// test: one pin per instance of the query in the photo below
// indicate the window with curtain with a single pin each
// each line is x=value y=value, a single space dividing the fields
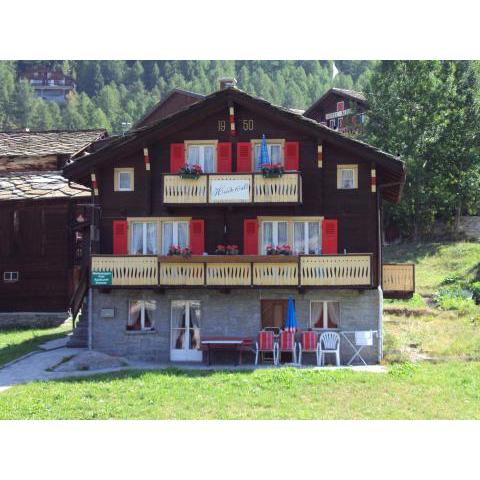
x=347 y=177
x=274 y=233
x=203 y=155
x=324 y=315
x=306 y=238
x=144 y=238
x=274 y=153
x=174 y=233
x=141 y=315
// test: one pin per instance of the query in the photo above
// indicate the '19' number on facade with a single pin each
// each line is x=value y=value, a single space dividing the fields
x=222 y=125
x=247 y=125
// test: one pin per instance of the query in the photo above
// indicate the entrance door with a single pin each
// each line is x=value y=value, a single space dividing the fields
x=185 y=332
x=274 y=313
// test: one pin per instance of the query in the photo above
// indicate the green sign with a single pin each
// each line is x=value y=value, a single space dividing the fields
x=101 y=278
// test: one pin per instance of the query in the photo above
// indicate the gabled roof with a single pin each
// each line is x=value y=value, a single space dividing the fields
x=138 y=138
x=39 y=186
x=155 y=111
x=48 y=142
x=357 y=96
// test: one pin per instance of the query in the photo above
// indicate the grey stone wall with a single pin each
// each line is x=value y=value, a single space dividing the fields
x=9 y=321
x=470 y=226
x=234 y=314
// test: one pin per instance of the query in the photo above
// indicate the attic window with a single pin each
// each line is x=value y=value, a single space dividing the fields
x=347 y=177
x=10 y=277
x=124 y=180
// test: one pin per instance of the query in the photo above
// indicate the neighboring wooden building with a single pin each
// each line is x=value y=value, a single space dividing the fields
x=324 y=208
x=50 y=85
x=38 y=207
x=340 y=109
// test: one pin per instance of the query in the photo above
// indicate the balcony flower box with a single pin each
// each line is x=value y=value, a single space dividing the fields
x=279 y=250
x=227 y=250
x=176 y=250
x=190 y=171
x=272 y=171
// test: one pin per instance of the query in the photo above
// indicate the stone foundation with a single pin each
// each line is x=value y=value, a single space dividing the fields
x=9 y=321
x=234 y=314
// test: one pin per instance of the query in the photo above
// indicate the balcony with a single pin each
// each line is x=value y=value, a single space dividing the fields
x=398 y=280
x=236 y=271
x=232 y=188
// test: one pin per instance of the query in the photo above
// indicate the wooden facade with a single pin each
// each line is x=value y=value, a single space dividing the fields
x=40 y=237
x=237 y=121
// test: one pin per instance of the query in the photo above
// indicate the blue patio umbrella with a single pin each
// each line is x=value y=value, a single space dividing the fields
x=291 y=320
x=263 y=158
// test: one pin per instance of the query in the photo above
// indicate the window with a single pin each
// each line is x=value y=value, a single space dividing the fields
x=324 y=315
x=306 y=234
x=140 y=315
x=274 y=233
x=347 y=177
x=10 y=277
x=275 y=154
x=340 y=106
x=124 y=180
x=144 y=238
x=203 y=155
x=174 y=233
x=332 y=123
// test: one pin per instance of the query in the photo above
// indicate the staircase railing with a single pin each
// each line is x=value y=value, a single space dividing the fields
x=77 y=298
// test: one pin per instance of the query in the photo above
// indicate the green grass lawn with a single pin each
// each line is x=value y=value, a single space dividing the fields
x=424 y=391
x=15 y=343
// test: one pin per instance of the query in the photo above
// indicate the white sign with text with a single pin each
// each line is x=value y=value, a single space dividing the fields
x=229 y=190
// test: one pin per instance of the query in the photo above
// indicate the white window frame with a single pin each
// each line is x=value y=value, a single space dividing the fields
x=343 y=168
x=122 y=171
x=325 y=314
x=342 y=103
x=201 y=156
x=142 y=316
x=175 y=223
x=274 y=233
x=269 y=148
x=332 y=123
x=144 y=237
x=306 y=234
x=11 y=277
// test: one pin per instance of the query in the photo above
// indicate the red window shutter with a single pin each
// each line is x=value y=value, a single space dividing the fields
x=197 y=237
x=330 y=237
x=291 y=155
x=224 y=157
x=244 y=157
x=120 y=237
x=250 y=237
x=177 y=157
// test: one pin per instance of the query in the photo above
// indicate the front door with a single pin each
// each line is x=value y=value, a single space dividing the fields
x=185 y=332
x=274 y=313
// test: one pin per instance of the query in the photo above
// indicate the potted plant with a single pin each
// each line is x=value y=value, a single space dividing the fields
x=232 y=250
x=190 y=171
x=278 y=250
x=221 y=250
x=174 y=250
x=270 y=249
x=186 y=252
x=273 y=170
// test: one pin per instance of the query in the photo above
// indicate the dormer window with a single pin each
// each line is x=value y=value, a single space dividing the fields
x=347 y=177
x=124 y=180
x=203 y=155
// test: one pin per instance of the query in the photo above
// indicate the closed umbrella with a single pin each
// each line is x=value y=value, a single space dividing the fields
x=263 y=158
x=291 y=320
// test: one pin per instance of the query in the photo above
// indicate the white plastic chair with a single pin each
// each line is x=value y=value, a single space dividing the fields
x=329 y=343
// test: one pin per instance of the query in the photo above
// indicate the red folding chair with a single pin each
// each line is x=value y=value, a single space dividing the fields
x=265 y=344
x=286 y=344
x=308 y=344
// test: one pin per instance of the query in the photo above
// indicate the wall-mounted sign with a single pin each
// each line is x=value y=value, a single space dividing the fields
x=101 y=278
x=107 y=313
x=231 y=190
x=341 y=113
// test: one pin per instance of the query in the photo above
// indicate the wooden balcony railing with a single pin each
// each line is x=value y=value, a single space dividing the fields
x=398 y=280
x=232 y=188
x=351 y=271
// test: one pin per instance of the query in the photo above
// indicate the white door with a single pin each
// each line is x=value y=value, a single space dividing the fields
x=185 y=332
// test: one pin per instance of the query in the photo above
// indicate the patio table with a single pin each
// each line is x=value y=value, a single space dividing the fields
x=235 y=344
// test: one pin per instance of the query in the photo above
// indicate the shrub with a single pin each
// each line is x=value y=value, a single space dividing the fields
x=474 y=287
x=454 y=298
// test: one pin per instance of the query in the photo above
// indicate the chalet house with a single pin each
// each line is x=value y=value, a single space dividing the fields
x=37 y=209
x=340 y=109
x=50 y=85
x=185 y=254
